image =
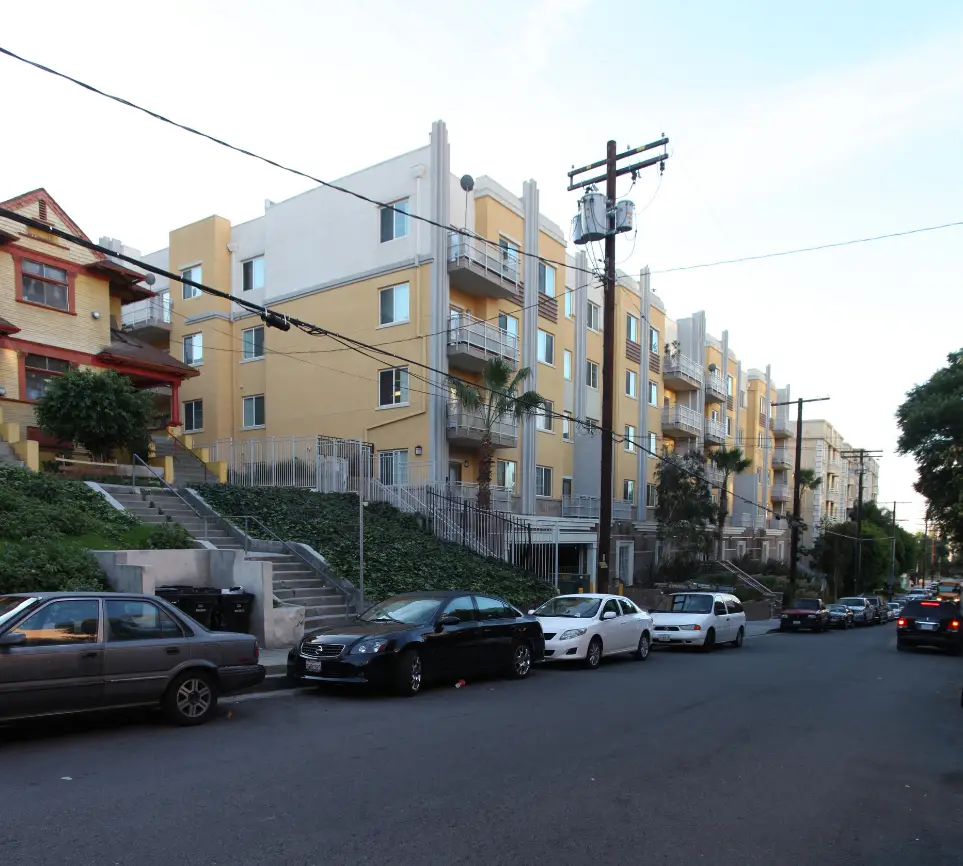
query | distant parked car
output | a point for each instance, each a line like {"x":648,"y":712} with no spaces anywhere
{"x":408,"y":640}
{"x":840,"y":616}
{"x":703,"y":619}
{"x":930,"y":623}
{"x":879,"y":609}
{"x":808,"y":613}
{"x":76,"y":652}
{"x":861,"y":608}
{"x":894,"y":608}
{"x":586,"y":627}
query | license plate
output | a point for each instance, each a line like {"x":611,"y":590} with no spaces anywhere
{"x":313,"y":667}
{"x":663,"y":637}
{"x":927,"y":626}
{"x":796,"y":622}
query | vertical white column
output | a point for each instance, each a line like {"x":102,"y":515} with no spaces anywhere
{"x":529,"y":267}
{"x":439,"y":180}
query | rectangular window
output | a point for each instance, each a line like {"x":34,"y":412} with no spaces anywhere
{"x":543,"y":480}
{"x":393,"y":386}
{"x":566,"y":488}
{"x":568,"y":304}
{"x":762,"y":405}
{"x":193,"y":274}
{"x":715,"y":414}
{"x":629,"y":438}
{"x":759,"y":440}
{"x":631,"y":328}
{"x":253,"y":411}
{"x":508,"y":324}
{"x":567,"y":427}
{"x":252,"y":274}
{"x":730,"y":384}
{"x":651,"y":495}
{"x":653,"y":341}
{"x":39,"y":371}
{"x":45,"y":285}
{"x":505,"y":474}
{"x":743,"y":402}
{"x":628,"y":490}
{"x":393,"y":467}
{"x":194,"y":349}
{"x":653,"y":445}
{"x":193,"y":416}
{"x":546,"y":280}
{"x":592,"y":374}
{"x":594,"y":317}
{"x":631,"y":383}
{"x":567,"y":364}
{"x":546,"y":348}
{"x":133,"y":620}
{"x":544,"y":420}
{"x":653,"y":393}
{"x":252,"y":343}
{"x":728,"y":425}
{"x":393,"y":304}
{"x":394,"y":221}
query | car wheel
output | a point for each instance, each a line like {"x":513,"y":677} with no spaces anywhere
{"x":740,"y":637}
{"x":709,"y":644}
{"x":191,"y":699}
{"x":594,"y":654}
{"x":521,"y":660}
{"x":410,"y":673}
{"x":645,"y":644}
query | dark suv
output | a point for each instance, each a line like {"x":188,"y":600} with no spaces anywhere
{"x":879,"y":609}
{"x":930,"y":623}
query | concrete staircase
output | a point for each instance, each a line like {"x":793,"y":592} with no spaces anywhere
{"x":8,"y":456}
{"x":295,"y":583}
{"x":188,"y":469}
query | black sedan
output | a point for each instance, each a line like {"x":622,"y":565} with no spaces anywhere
{"x":408,"y":640}
{"x":841,"y":616}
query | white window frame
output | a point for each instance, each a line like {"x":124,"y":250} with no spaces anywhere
{"x":546,"y":340}
{"x":510,"y":325}
{"x":567,"y":365}
{"x":543,"y":279}
{"x":245,"y":355}
{"x":592,"y":375}
{"x":400,"y":221}
{"x":396,"y":460}
{"x":394,"y":305}
{"x":597,"y":317}
{"x":193,"y":415}
{"x":630,"y":433}
{"x":544,"y":418}
{"x":653,"y":389}
{"x":730,"y":386}
{"x":569,"y":311}
{"x":567,"y":427}
{"x":196,"y":274}
{"x":654,"y":332}
{"x":632,"y":378}
{"x":197,"y":351}
{"x":631,"y":325}
{"x":541,"y":472}
{"x":400,"y":393}
{"x":502,"y":473}
{"x":651,"y":495}
{"x":653,"y":445}
{"x":628,"y":490}
{"x":252,"y":264}
{"x":251,"y":400}
{"x":728,"y":425}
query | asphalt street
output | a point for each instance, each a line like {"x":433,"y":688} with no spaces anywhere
{"x":799,"y":748}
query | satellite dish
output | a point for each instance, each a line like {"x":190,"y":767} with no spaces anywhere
{"x":150,"y":279}
{"x":467,"y":182}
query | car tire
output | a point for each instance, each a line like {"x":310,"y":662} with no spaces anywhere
{"x":709,"y":644}
{"x":191,"y":698}
{"x":740,"y":637}
{"x":593,"y":655}
{"x":409,"y":673}
{"x":645,"y":644}
{"x":521,"y":665}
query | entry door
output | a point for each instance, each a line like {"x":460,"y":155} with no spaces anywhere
{"x":60,"y":668}
{"x":723,"y":621}
{"x":454,"y":472}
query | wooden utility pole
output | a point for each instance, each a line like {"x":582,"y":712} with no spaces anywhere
{"x":861,"y":454}
{"x":612,"y":172}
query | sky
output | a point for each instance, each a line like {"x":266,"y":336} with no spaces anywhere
{"x":788,"y":127}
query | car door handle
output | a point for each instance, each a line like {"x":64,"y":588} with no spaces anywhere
{"x":173,"y":650}
{"x":91,"y":655}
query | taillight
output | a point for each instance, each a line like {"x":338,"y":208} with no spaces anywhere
{"x":257,"y":652}
{"x":930,"y":603}
{"x":901,"y":622}
{"x":954,"y":625}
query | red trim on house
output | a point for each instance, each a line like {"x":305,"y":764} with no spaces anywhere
{"x":27,"y":198}
{"x":175,"y":404}
{"x":7,"y":328}
{"x":18,"y":255}
{"x":127,"y":369}
{"x":45,"y":441}
{"x":50,"y":351}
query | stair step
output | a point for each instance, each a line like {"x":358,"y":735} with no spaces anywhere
{"x":312,"y":596}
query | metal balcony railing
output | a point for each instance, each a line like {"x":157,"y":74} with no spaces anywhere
{"x":779,"y":492}
{"x":149,"y":311}
{"x":682,"y":419}
{"x":500,"y":266}
{"x":782,"y":458}
{"x":467,"y":424}
{"x":467,"y":491}
{"x":678,"y":366}
{"x":476,"y":336}
{"x":715,"y":387}
{"x":715,"y":431}
{"x":588,"y":506}
{"x":782,"y":426}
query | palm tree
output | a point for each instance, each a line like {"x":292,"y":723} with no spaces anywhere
{"x":494,"y":398}
{"x":729,"y":461}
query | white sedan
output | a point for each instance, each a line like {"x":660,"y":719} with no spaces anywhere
{"x":703,"y":619}
{"x":588,"y":626}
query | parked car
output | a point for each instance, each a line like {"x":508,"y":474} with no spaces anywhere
{"x":808,"y":613}
{"x":879,"y":609}
{"x":930,"y":623}
{"x":894,"y":608}
{"x":587,"y":626}
{"x":840,"y":616}
{"x":861,"y":608}
{"x":703,"y":619}
{"x":77,"y":652}
{"x":408,"y":640}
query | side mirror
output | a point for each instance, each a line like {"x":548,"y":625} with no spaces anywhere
{"x":450,"y":619}
{"x":15,"y":638}
{"x":609,"y":614}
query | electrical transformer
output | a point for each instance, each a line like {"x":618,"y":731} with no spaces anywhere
{"x":624,"y":216}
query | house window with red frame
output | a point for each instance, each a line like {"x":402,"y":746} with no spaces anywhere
{"x":39,"y":370}
{"x":45,"y":285}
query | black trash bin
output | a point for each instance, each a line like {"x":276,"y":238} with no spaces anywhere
{"x":173,"y":594}
{"x":200,"y":603}
{"x":234,"y":612}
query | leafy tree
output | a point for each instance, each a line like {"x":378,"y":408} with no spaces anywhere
{"x":684,"y":510}
{"x":101,"y":412}
{"x":495,"y":398}
{"x":931,"y":429}
{"x":730,"y":462}
{"x":808,"y":480}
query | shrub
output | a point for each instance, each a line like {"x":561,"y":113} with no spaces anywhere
{"x":168,"y":536}
{"x":46,"y":566}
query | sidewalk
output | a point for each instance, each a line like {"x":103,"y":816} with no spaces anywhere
{"x":761,"y":627}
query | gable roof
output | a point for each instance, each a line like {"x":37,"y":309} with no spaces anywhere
{"x":123,"y":348}
{"x":40,"y":194}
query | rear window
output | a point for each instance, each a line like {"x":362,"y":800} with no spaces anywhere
{"x":916,"y":608}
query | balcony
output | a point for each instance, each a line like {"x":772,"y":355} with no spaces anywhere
{"x":715,"y":432}
{"x":782,"y":428}
{"x":467,"y":491}
{"x":681,"y":422}
{"x":472,"y":341}
{"x":782,"y":458}
{"x":680,"y":373}
{"x":484,"y":269}
{"x":715,"y":388}
{"x":149,"y":319}
{"x":465,"y":428}
{"x":714,"y":476}
{"x":779,"y":493}
{"x":588,"y":506}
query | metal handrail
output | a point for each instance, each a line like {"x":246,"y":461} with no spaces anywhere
{"x":133,"y":479}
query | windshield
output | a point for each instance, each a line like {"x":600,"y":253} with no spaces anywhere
{"x":403,"y":609}
{"x":11,"y":604}
{"x":686,"y":603}
{"x":838,"y":608}
{"x":805,"y":604}
{"x":948,"y":587}
{"x":853,"y":602}
{"x":575,"y":606}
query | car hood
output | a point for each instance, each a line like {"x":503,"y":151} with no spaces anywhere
{"x":564,"y":623}
{"x":799,"y":610}
{"x":354,"y":631}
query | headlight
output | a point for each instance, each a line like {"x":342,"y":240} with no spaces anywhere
{"x":571,"y":634}
{"x":784,"y":616}
{"x":690,"y":628}
{"x":370,"y":647}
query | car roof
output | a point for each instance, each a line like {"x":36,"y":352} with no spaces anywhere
{"x":439,"y":594}
{"x":44,"y":596}
{"x":587,"y":595}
